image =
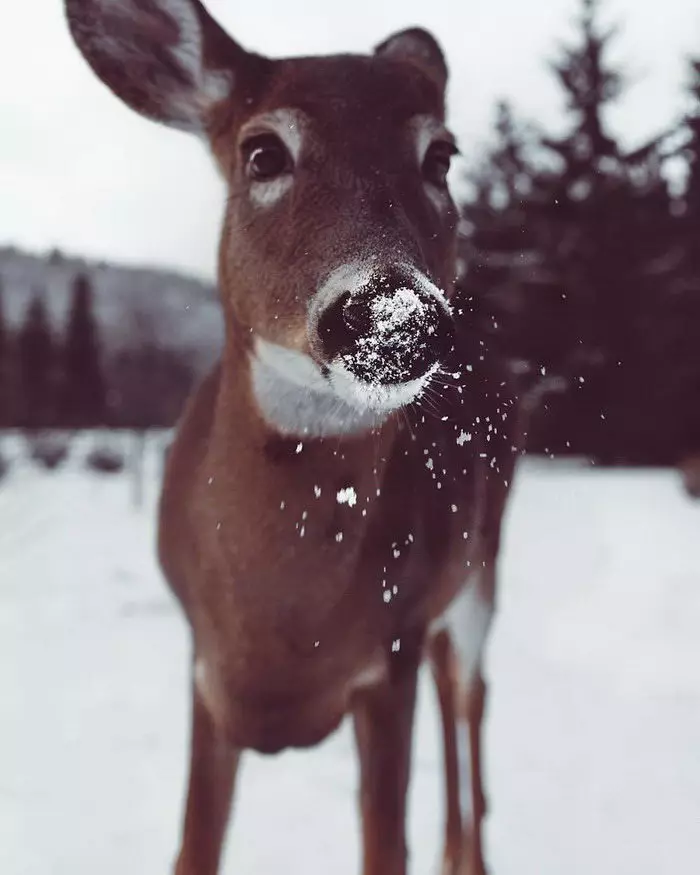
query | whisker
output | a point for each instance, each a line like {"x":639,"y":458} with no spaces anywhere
{"x":404,"y":412}
{"x":427,"y":405}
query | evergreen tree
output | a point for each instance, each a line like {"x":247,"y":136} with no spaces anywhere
{"x":497,"y":227}
{"x":691,"y":215}
{"x":513,"y":294}
{"x":36,"y":359}
{"x":573,"y":233}
{"x":685,"y":340}
{"x":608,"y":212}
{"x":3,"y":329}
{"x":84,"y":399}
{"x":5,"y":413}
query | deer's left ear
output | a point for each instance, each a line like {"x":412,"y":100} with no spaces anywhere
{"x":418,"y":47}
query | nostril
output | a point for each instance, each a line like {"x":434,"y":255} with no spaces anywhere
{"x":356,"y":316}
{"x":333,"y":327}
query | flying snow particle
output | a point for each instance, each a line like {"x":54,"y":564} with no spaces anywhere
{"x":347,"y":496}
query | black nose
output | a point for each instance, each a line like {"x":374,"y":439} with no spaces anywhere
{"x":388,"y":331}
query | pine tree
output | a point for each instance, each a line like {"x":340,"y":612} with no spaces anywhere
{"x":5,"y":413}
{"x":496,"y":215}
{"x":575,"y":228}
{"x":590,"y":155}
{"x":36,"y":359}
{"x":686,"y":337}
{"x":3,"y":329}
{"x":692,"y":191}
{"x":599,"y":195}
{"x":84,"y":399}
{"x":607,"y":215}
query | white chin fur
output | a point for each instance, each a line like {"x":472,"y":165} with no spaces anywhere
{"x":295,"y":398}
{"x":380,"y":398}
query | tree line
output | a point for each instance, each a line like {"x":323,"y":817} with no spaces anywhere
{"x":580,"y":256}
{"x":52,"y":379}
{"x":584,"y":256}
{"x":46,"y":380}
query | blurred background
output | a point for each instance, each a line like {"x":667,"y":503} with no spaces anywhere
{"x":579,"y":191}
{"x":579,"y":187}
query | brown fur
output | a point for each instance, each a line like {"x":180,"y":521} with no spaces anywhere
{"x":291,"y":627}
{"x":690,"y":474}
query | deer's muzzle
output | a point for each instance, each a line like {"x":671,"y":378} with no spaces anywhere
{"x":391,"y":330}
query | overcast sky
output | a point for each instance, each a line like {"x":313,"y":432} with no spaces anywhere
{"x":80,"y":171}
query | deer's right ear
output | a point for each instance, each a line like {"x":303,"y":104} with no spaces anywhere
{"x":167,"y":59}
{"x":417,"y":46}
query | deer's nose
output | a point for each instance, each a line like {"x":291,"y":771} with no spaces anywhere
{"x":386,"y":332}
{"x":341,"y":324}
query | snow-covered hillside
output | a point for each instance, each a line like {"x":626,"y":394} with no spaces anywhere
{"x":593,"y":732}
{"x":132,"y":305}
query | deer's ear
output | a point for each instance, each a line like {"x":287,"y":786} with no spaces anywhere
{"x":419,"y":47}
{"x":167,"y":59}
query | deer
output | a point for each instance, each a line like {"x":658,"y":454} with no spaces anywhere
{"x":689,"y":468}
{"x":332,"y":504}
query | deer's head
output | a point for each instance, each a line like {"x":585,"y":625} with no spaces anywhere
{"x":337,"y":255}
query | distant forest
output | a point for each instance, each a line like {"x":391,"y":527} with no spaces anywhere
{"x":577,"y":254}
{"x":586,"y":256}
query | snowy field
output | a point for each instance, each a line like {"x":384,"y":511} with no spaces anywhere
{"x":593,"y":729}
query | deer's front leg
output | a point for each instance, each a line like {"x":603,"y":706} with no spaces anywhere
{"x":456,"y":662}
{"x":383,"y":717}
{"x":213,"y":767}
{"x":462,"y":712}
{"x":475,"y":704}
{"x":445,"y":674}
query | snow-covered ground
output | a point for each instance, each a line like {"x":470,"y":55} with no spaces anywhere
{"x":593,"y":731}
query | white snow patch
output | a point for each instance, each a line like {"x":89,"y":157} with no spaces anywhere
{"x":590,"y":737}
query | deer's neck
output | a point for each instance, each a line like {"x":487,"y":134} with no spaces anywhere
{"x":278,"y":436}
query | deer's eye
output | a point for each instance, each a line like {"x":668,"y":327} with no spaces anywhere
{"x":436,"y":164}
{"x":266,"y":157}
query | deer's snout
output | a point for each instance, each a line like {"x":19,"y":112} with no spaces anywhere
{"x":390,"y":330}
